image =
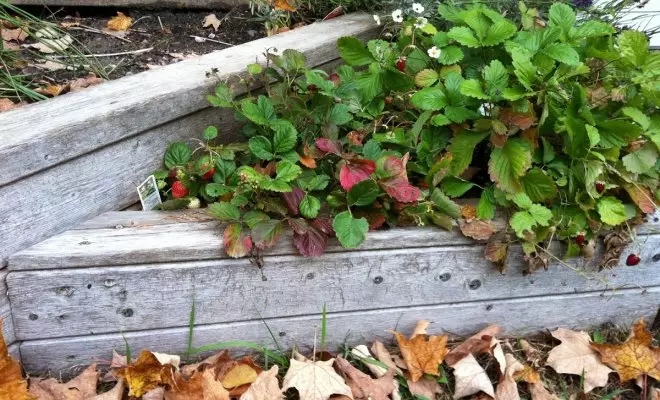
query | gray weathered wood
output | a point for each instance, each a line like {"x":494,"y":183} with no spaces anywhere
{"x":207,"y":4}
{"x":5,"y":311}
{"x":517,"y":316}
{"x":48,"y":133}
{"x":122,"y":238}
{"x":14,"y":351}
{"x":82,"y":301}
{"x":41,"y":205}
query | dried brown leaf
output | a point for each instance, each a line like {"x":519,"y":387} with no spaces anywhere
{"x":120,"y":23}
{"x":507,"y":389}
{"x":82,"y":387}
{"x":314,"y":380}
{"x":422,"y":355}
{"x":477,"y":229}
{"x":266,"y":387}
{"x":476,"y":344}
{"x":364,"y":387}
{"x":211,"y":20}
{"x":471,"y":378}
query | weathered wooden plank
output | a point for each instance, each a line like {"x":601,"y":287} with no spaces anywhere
{"x":51,"y":132}
{"x":81,"y":301}
{"x":517,"y":316}
{"x":123,"y":238}
{"x":5,"y":310}
{"x":14,"y":350}
{"x":204,"y":4}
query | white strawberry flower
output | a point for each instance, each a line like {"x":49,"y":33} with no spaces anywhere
{"x":434,"y":52}
{"x":377,"y":19}
{"x":418,"y":8}
{"x":421,"y":22}
{"x":397,"y":15}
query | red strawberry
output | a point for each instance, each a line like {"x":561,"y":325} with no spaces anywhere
{"x":388,"y":100}
{"x":401,"y":64}
{"x":633,"y":259}
{"x":334,"y":77}
{"x":600,"y":186}
{"x":312,"y":88}
{"x":178,"y":190}
{"x":207,"y":176}
{"x":580,"y":239}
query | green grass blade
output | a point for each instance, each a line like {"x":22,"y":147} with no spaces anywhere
{"x":242,"y":344}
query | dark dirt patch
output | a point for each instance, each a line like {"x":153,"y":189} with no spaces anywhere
{"x":168,"y":34}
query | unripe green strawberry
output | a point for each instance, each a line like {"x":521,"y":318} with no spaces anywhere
{"x":161,"y":184}
{"x":194,"y":203}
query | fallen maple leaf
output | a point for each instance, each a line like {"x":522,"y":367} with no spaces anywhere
{"x":633,"y":358}
{"x":201,"y":386}
{"x":120,"y":23}
{"x":82,"y":387}
{"x":477,"y":229}
{"x":265,"y":387}
{"x":427,"y":387}
{"x":422,"y":355}
{"x":362,"y":386}
{"x":52,"y":90}
{"x":283,"y":5}
{"x":85,"y":82}
{"x":497,"y":353}
{"x":471,"y":378}
{"x":6,"y":105}
{"x":477,"y":343}
{"x":240,"y":375}
{"x":362,"y":352}
{"x":211,"y":20}
{"x":12,"y":384}
{"x":507,"y":389}
{"x":575,"y":356}
{"x":314,"y":380}
{"x":145,"y":374}
{"x":539,"y":392}
{"x":17,"y":35}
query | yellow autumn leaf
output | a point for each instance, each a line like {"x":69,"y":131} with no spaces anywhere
{"x":120,"y":23}
{"x":12,"y":384}
{"x":422,"y":355}
{"x":145,"y":374}
{"x":240,"y":374}
{"x":283,"y":5}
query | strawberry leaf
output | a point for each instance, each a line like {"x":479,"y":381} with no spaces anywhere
{"x":329,"y":146}
{"x":508,"y":163}
{"x":310,"y":206}
{"x":236,"y":243}
{"x":355,"y":171}
{"x":399,"y":188}
{"x":292,"y":200}
{"x":309,"y":240}
{"x":266,"y":233}
{"x":350,"y":231}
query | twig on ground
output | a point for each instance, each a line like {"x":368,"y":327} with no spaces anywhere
{"x":202,"y":39}
{"x":123,"y":53}
{"x":94,"y":30}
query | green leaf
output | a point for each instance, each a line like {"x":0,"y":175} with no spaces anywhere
{"x":464,"y":36}
{"x":285,"y":137}
{"x":593,"y":28}
{"x":486,"y":205}
{"x":217,"y":189}
{"x":642,"y":160}
{"x":524,"y":70}
{"x":224,"y":211}
{"x":450,"y":55}
{"x":260,"y":113}
{"x":223,"y":96}
{"x":339,"y":115}
{"x":310,"y":206}
{"x":254,"y":69}
{"x":455,"y":187}
{"x":562,"y":16}
{"x":177,"y":154}
{"x":522,"y":221}
{"x":594,"y":136}
{"x":275,"y":185}
{"x":260,"y":146}
{"x":611,"y":210}
{"x":426,"y":77}
{"x":443,"y":203}
{"x":292,"y":60}
{"x":210,"y":133}
{"x":363,"y":193}
{"x":353,"y":51}
{"x":252,"y":218}
{"x":431,"y":98}
{"x":562,"y":52}
{"x":265,"y":233}
{"x":286,"y":171}
{"x":499,"y":32}
{"x":372,"y":150}
{"x":496,"y":76}
{"x":634,"y":47}
{"x":318,"y":79}
{"x":369,"y":83}
{"x":539,"y":186}
{"x":350,"y":231}
{"x":440,"y":120}
{"x":462,"y":148}
{"x":472,"y":88}
{"x":638,"y":116}
{"x":542,"y":215}
{"x":521,"y":200}
{"x":460,"y":114}
{"x":508,"y":163}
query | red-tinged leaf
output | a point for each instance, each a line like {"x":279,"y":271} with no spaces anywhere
{"x":375,"y":219}
{"x":497,"y":249}
{"x":513,"y":118}
{"x":356,"y":137}
{"x":531,"y":136}
{"x":328,"y":146}
{"x":309,"y":240}
{"x":477,"y":229}
{"x":355,"y":171}
{"x":324,"y":225}
{"x":237,"y":244}
{"x":266,"y":234}
{"x":268,"y":170}
{"x":335,"y":13}
{"x":641,"y":196}
{"x":389,"y":166}
{"x":312,"y":152}
{"x":399,"y":188}
{"x":292,"y":200}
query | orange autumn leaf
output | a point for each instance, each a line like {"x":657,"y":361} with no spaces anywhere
{"x":469,"y":212}
{"x":145,"y":374}
{"x":422,"y":355}
{"x":527,"y":374}
{"x":202,"y":385}
{"x":12,"y":384}
{"x":283,"y":5}
{"x":308,"y":162}
{"x":120,"y":23}
{"x":633,"y":358}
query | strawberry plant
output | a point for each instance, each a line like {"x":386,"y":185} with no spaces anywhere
{"x":550,"y":119}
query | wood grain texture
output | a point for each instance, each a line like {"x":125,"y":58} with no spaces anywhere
{"x":205,"y":4}
{"x":5,"y":311}
{"x":50,"y":132}
{"x":517,"y":316}
{"x":133,"y":237}
{"x":82,"y":301}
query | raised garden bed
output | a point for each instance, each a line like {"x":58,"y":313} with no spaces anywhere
{"x":57,"y":153}
{"x":136,"y":275}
